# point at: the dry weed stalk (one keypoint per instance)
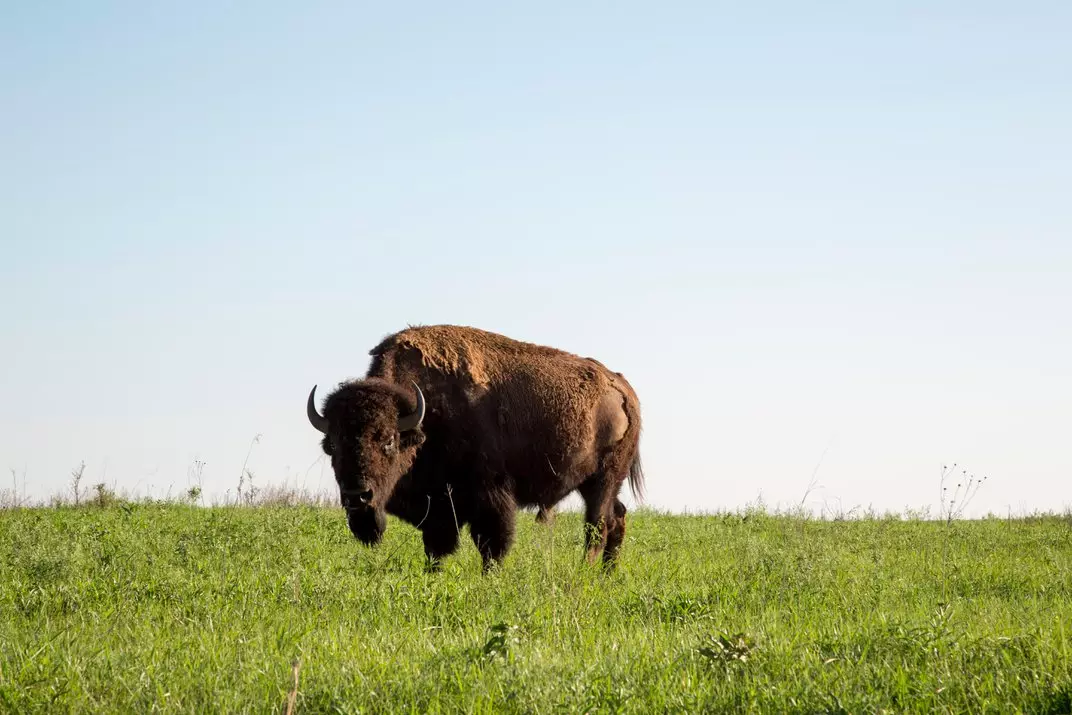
(292, 698)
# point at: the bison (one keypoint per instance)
(455, 425)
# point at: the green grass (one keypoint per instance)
(137, 608)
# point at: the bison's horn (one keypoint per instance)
(315, 418)
(413, 421)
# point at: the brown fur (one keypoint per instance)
(509, 424)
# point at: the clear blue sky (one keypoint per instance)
(798, 229)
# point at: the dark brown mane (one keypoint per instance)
(348, 395)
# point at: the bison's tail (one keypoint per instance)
(632, 438)
(636, 476)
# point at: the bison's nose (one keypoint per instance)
(358, 497)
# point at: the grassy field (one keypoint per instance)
(140, 608)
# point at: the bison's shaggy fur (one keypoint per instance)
(508, 424)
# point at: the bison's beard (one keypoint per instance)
(367, 525)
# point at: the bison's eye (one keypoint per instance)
(389, 445)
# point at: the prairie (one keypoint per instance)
(163, 607)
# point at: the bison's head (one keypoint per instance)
(372, 429)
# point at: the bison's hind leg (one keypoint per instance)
(615, 532)
(604, 524)
(546, 515)
(604, 514)
(616, 439)
(598, 493)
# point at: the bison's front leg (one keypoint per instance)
(492, 527)
(440, 539)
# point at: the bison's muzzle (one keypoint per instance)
(367, 525)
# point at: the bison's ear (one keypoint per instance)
(413, 438)
(325, 444)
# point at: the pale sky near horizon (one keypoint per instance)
(840, 232)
